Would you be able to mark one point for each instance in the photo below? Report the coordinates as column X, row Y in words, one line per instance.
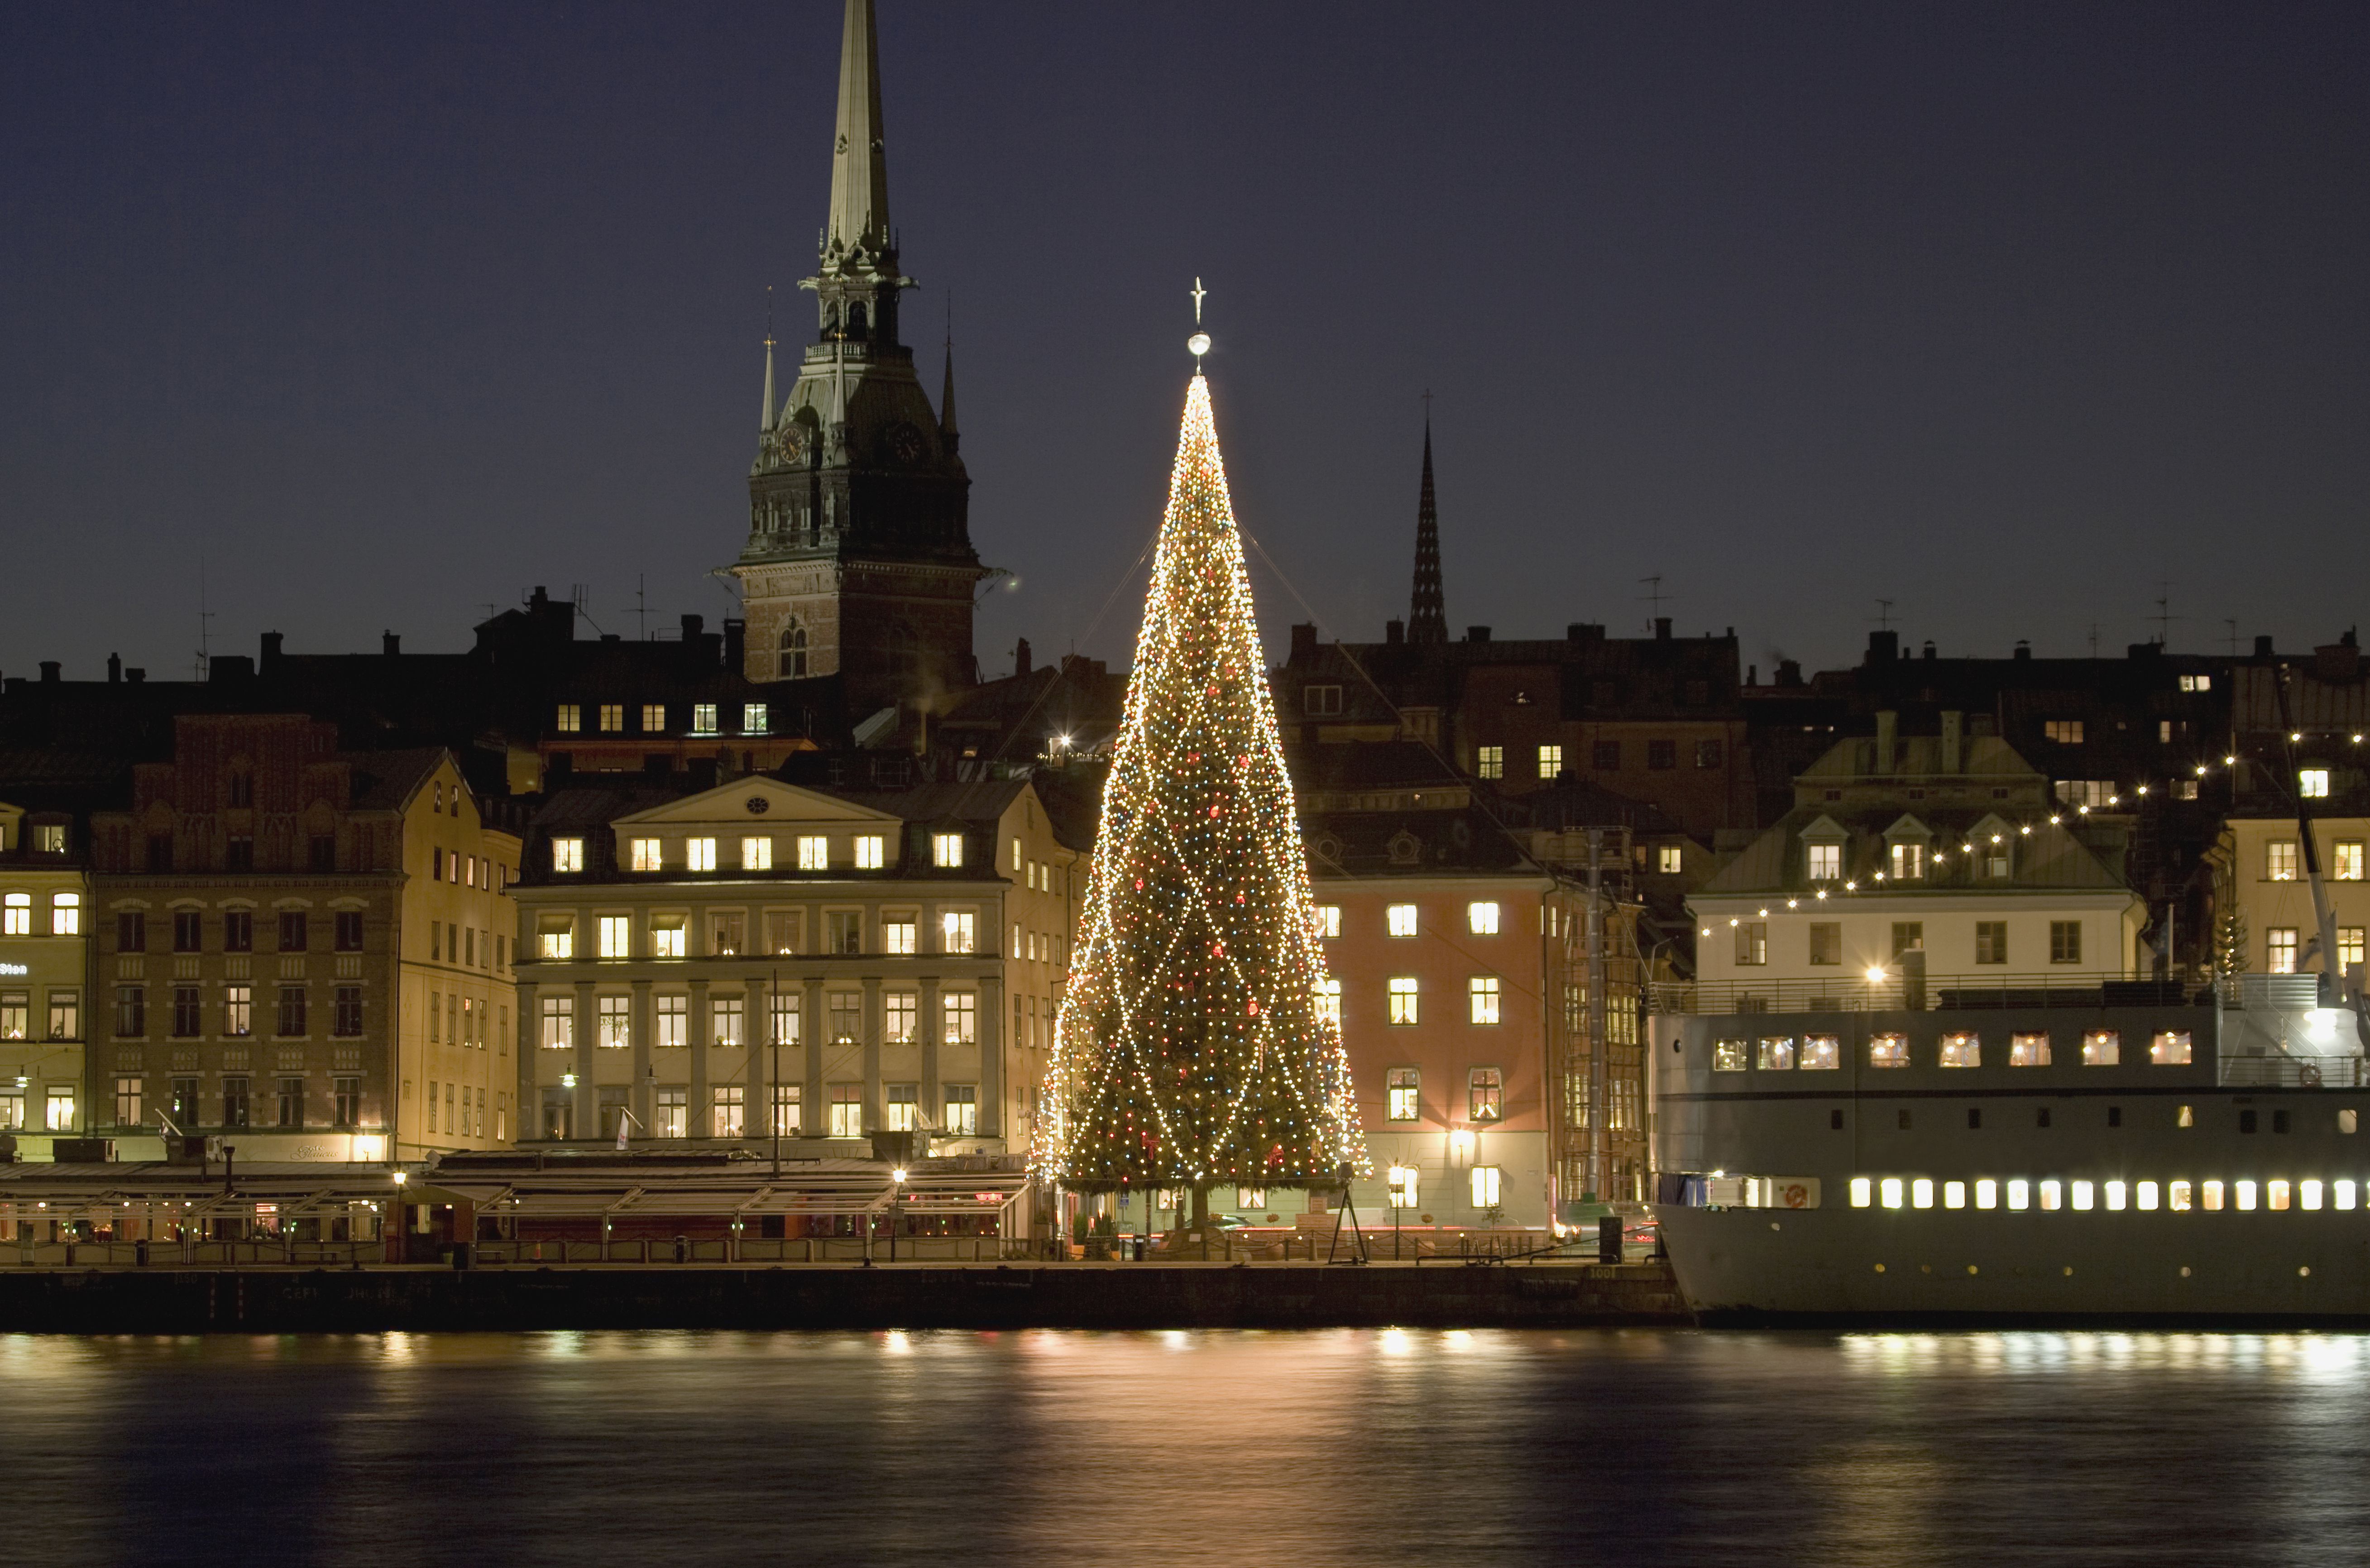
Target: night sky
column 381, row 315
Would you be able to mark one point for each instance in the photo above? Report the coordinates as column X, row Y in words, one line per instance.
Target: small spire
column 859, row 169
column 765, row 413
column 947, row 398
column 1427, row 614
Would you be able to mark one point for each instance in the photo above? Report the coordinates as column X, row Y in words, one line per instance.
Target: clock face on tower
column 905, row 443
column 789, row 442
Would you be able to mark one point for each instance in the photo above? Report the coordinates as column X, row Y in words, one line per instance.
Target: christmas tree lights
column 1191, row 1051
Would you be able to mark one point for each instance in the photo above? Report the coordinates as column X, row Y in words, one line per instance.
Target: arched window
column 794, row 651
column 855, row 323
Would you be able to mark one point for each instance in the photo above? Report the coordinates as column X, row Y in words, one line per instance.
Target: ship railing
column 2273, row 1070
column 1939, row 993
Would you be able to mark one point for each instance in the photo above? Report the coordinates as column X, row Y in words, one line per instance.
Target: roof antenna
column 1655, row 595
column 1885, row 615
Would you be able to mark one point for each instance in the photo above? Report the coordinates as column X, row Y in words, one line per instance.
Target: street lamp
column 896, row 1197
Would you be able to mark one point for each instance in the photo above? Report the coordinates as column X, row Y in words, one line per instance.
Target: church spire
column 859, row 169
column 1427, row 616
column 947, row 399
column 766, row 413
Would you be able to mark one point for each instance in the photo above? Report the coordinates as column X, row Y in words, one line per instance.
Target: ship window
column 1921, row 1193
column 1835, row 1121
column 2242, row 1196
column 2143, row 1195
column 2349, row 1121
column 2245, row 1121
column 1963, row 1050
column 1975, row 1118
column 1859, row 1192
column 2026, row 1049
column 1986, row 1193
column 1904, row 1120
column 2019, row 1194
column 2053, row 1194
column 2188, row 1117
column 2309, row 1194
column 1891, row 1190
column 1889, row 1050
column 2115, row 1191
column 2115, row 1115
column 2279, row 1121
column 2169, row 1047
column 2085, row 1196
column 2040, row 1117
column 2277, row 1194
column 2341, row 1192
column 1954, row 1194
column 1730, row 1055
column 1776, row 1056
column 2103, row 1047
column 2209, row 1195
column 2177, row 1196
column 1821, row 1052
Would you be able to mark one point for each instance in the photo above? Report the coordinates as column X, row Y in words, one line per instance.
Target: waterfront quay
column 166, row 1298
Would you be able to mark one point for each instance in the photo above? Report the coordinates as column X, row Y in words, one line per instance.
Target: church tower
column 859, row 562
column 1427, row 612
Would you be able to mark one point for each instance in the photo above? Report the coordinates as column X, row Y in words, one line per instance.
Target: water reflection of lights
column 896, row 1344
column 1393, row 1341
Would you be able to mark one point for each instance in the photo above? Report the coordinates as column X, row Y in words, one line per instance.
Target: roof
column 2045, row 856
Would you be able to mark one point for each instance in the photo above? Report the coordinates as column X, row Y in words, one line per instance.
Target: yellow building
column 45, row 924
column 2260, row 874
column 302, row 953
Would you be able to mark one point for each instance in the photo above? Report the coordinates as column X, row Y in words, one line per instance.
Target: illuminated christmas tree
column 1193, row 1050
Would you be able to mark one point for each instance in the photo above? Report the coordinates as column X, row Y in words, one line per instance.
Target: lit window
column 2242, row 1196
column 570, row 719
column 1823, row 863
column 1908, row 861
column 66, row 915
column 2064, row 732
column 1775, row 1056
column 2309, row 1194
column 1859, row 1186
column 2170, row 1048
column 2019, row 1195
column 2143, row 1195
column 2343, row 1193
column 945, row 849
column 17, row 915
column 1550, row 763
column 1489, row 761
column 2177, row 1196
column 613, row 717
column 1751, row 942
column 2197, row 682
column 703, row 718
column 867, row 851
column 673, row 1113
column 814, row 852
column 757, row 854
column 1329, row 920
column 2103, row 1047
column 753, row 718
column 1954, row 1194
column 963, row 1110
column 1963, row 1050
column 959, row 931
column 1670, row 860
column 666, row 936
column 1404, row 1183
column 898, row 1010
column 2028, row 1049
column 646, row 855
column 1731, row 1056
column 1921, row 1193
column 1986, row 1193
column 699, row 855
column 1400, row 919
column 1404, row 1088
column 555, row 938
column 1329, row 1002
column 2209, row 1195
column 2280, row 860
column 2083, row 1195
column 1822, row 1053
column 616, row 938
column 1888, row 1050
column 2188, row 1117
column 567, row 854
column 2281, row 941
column 1483, row 993
column 1485, row 1094
column 559, row 1023
column 653, row 717
column 2313, row 783
column 2345, row 861
column 2349, row 1121
column 1889, row 1192
column 2349, row 946
column 1403, row 1000
column 1481, row 919
column 959, row 1018
column 1485, row 1187
column 613, row 1028
column 674, row 1022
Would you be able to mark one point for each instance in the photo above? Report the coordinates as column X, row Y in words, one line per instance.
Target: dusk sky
column 2006, row 315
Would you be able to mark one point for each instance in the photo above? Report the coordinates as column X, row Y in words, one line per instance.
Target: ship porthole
column 1774, row 1225
column 2184, row 1271
column 2070, row 1271
column 2304, row 1272
column 1880, row 1268
column 1971, row 1268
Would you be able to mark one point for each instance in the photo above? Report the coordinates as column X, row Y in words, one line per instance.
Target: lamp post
column 896, row 1196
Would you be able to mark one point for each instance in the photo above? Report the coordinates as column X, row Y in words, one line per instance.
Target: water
column 1350, row 1447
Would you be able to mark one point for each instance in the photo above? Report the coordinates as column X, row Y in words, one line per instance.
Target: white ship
column 2098, row 1155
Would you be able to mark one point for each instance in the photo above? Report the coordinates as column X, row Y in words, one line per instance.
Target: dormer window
column 1824, row 862
column 1907, row 860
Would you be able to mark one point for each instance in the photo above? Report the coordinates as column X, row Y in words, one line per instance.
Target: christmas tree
column 1195, row 1048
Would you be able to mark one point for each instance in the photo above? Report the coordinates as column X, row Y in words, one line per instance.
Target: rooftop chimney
column 2262, row 648
column 49, row 668
column 1662, row 628
column 1884, row 647
column 1304, row 640
column 1477, row 634
column 134, row 676
column 692, row 627
column 2024, row 648
column 114, row 668
column 1394, row 631
column 271, row 649
column 1020, row 664
column 390, row 645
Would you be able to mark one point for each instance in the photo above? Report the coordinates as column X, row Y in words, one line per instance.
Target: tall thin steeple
column 947, row 399
column 1427, row 615
column 860, row 166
